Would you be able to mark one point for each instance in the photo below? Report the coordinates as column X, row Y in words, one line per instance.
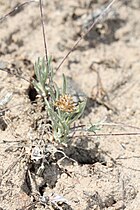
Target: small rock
column 79, row 12
column 119, row 205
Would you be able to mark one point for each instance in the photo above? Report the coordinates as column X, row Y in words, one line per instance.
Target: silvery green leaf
column 57, row 91
column 79, row 111
column 64, row 88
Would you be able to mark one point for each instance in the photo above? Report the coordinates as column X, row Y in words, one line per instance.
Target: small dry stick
column 7, row 70
column 84, row 35
column 112, row 134
column 11, row 167
column 43, row 31
column 15, row 9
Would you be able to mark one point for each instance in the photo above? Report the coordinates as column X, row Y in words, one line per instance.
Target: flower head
column 65, row 103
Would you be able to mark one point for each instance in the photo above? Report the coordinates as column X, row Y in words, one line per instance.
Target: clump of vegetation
column 60, row 107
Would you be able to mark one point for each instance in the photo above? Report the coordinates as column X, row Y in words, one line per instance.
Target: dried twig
column 98, row 19
column 43, row 31
column 111, row 134
column 15, row 9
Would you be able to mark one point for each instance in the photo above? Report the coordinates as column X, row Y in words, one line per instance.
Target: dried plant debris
column 69, row 146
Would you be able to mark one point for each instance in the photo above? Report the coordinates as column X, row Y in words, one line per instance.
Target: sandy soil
column 98, row 172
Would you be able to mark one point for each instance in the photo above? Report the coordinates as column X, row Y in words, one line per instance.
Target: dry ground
column 106, row 170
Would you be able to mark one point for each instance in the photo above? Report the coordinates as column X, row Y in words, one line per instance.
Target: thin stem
column 112, row 134
column 43, row 31
column 20, row 77
column 84, row 34
column 81, row 127
column 15, row 9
